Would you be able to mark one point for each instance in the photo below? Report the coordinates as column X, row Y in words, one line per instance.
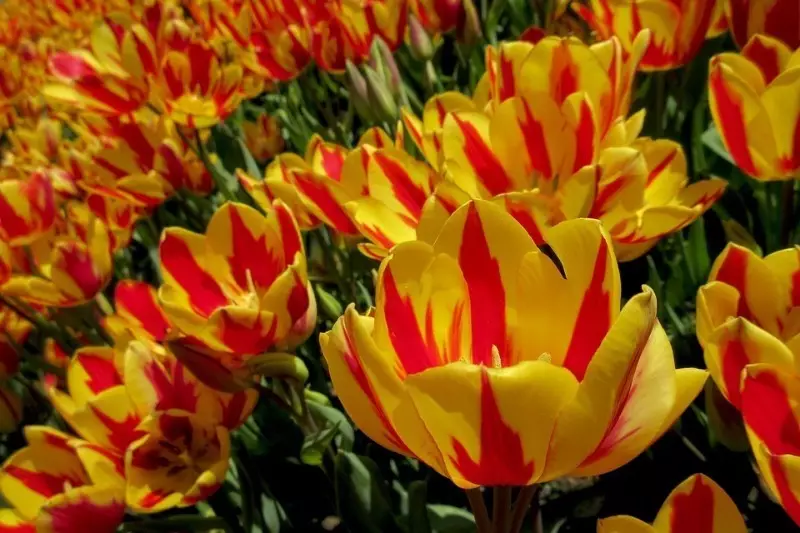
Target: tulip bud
column 329, row 305
column 469, row 30
column 429, row 78
column 420, row 41
column 357, row 88
column 380, row 97
column 279, row 365
column 386, row 65
column 318, row 398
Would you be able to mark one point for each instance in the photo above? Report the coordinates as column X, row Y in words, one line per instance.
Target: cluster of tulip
column 163, row 261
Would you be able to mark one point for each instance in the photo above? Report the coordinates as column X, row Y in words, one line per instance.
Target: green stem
column 501, row 509
column 218, row 178
column 527, row 496
column 475, row 498
column 788, row 222
column 661, row 104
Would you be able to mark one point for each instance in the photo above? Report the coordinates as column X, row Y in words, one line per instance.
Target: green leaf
column 714, row 142
column 449, row 519
column 332, row 416
column 418, row 520
column 314, row 446
column 362, row 496
column 271, row 512
column 738, row 234
column 697, row 249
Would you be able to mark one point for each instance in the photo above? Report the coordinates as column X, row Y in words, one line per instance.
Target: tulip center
column 249, row 297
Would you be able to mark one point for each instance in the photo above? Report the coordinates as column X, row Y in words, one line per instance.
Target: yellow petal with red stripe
column 770, row 409
column 699, row 504
column 623, row 524
column 103, row 507
column 504, row 418
column 180, row 461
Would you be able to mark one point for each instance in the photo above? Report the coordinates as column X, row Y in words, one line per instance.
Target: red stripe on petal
column 733, row 361
column 693, row 512
column 787, row 496
column 120, row 432
column 73, row 517
column 766, row 57
column 43, row 483
column 251, row 256
column 320, row 196
column 414, row 353
column 584, row 137
column 661, row 166
column 487, row 295
column 357, row 370
column 405, row 190
column 768, row 413
column 290, row 235
column 502, row 459
column 205, row 295
column 140, row 301
column 483, row 161
column 153, row 498
column 533, row 133
column 733, row 271
column 102, row 374
column 731, row 121
column 593, row 319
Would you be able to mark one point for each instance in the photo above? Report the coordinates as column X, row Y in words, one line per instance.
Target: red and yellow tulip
column 548, row 137
column 241, row 288
column 70, row 268
column 438, row 16
column 749, row 313
column 754, row 103
column 698, row 505
column 485, row 362
column 179, row 461
column 679, row 27
column 776, row 18
column 58, row 483
column 769, row 399
column 263, row 137
column 27, row 209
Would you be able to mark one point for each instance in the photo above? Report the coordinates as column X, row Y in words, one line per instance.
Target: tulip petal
column 489, row 247
column 491, row 441
column 623, row 524
column 103, row 507
column 91, row 371
column 699, row 504
column 612, row 368
column 137, row 302
column 109, row 419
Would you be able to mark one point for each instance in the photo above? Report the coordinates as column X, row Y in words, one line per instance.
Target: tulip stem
column 478, row 506
column 501, row 508
column 787, row 212
column 527, row 496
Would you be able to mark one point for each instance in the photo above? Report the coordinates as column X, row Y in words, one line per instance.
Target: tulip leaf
column 738, row 234
column 314, row 446
column 697, row 251
column 362, row 496
column 345, row 434
column 713, row 141
column 418, row 520
column 449, row 519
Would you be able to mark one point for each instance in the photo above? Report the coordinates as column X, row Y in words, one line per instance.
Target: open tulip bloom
column 498, row 364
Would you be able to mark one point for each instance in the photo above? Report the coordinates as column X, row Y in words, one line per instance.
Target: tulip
column 59, row 483
column 745, row 315
column 777, row 18
column 679, row 27
column 242, row 287
column 769, row 396
column 16, row 331
column 263, row 137
column 180, row 461
column 27, row 209
column 72, row 268
column 698, row 505
column 197, row 88
column 438, row 16
column 484, row 361
column 753, row 97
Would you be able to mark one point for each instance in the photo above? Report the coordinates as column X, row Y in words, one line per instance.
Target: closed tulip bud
column 469, row 30
column 420, row 41
column 357, row 87
column 386, row 65
column 429, row 77
column 380, row 97
column 279, row 365
column 330, row 306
